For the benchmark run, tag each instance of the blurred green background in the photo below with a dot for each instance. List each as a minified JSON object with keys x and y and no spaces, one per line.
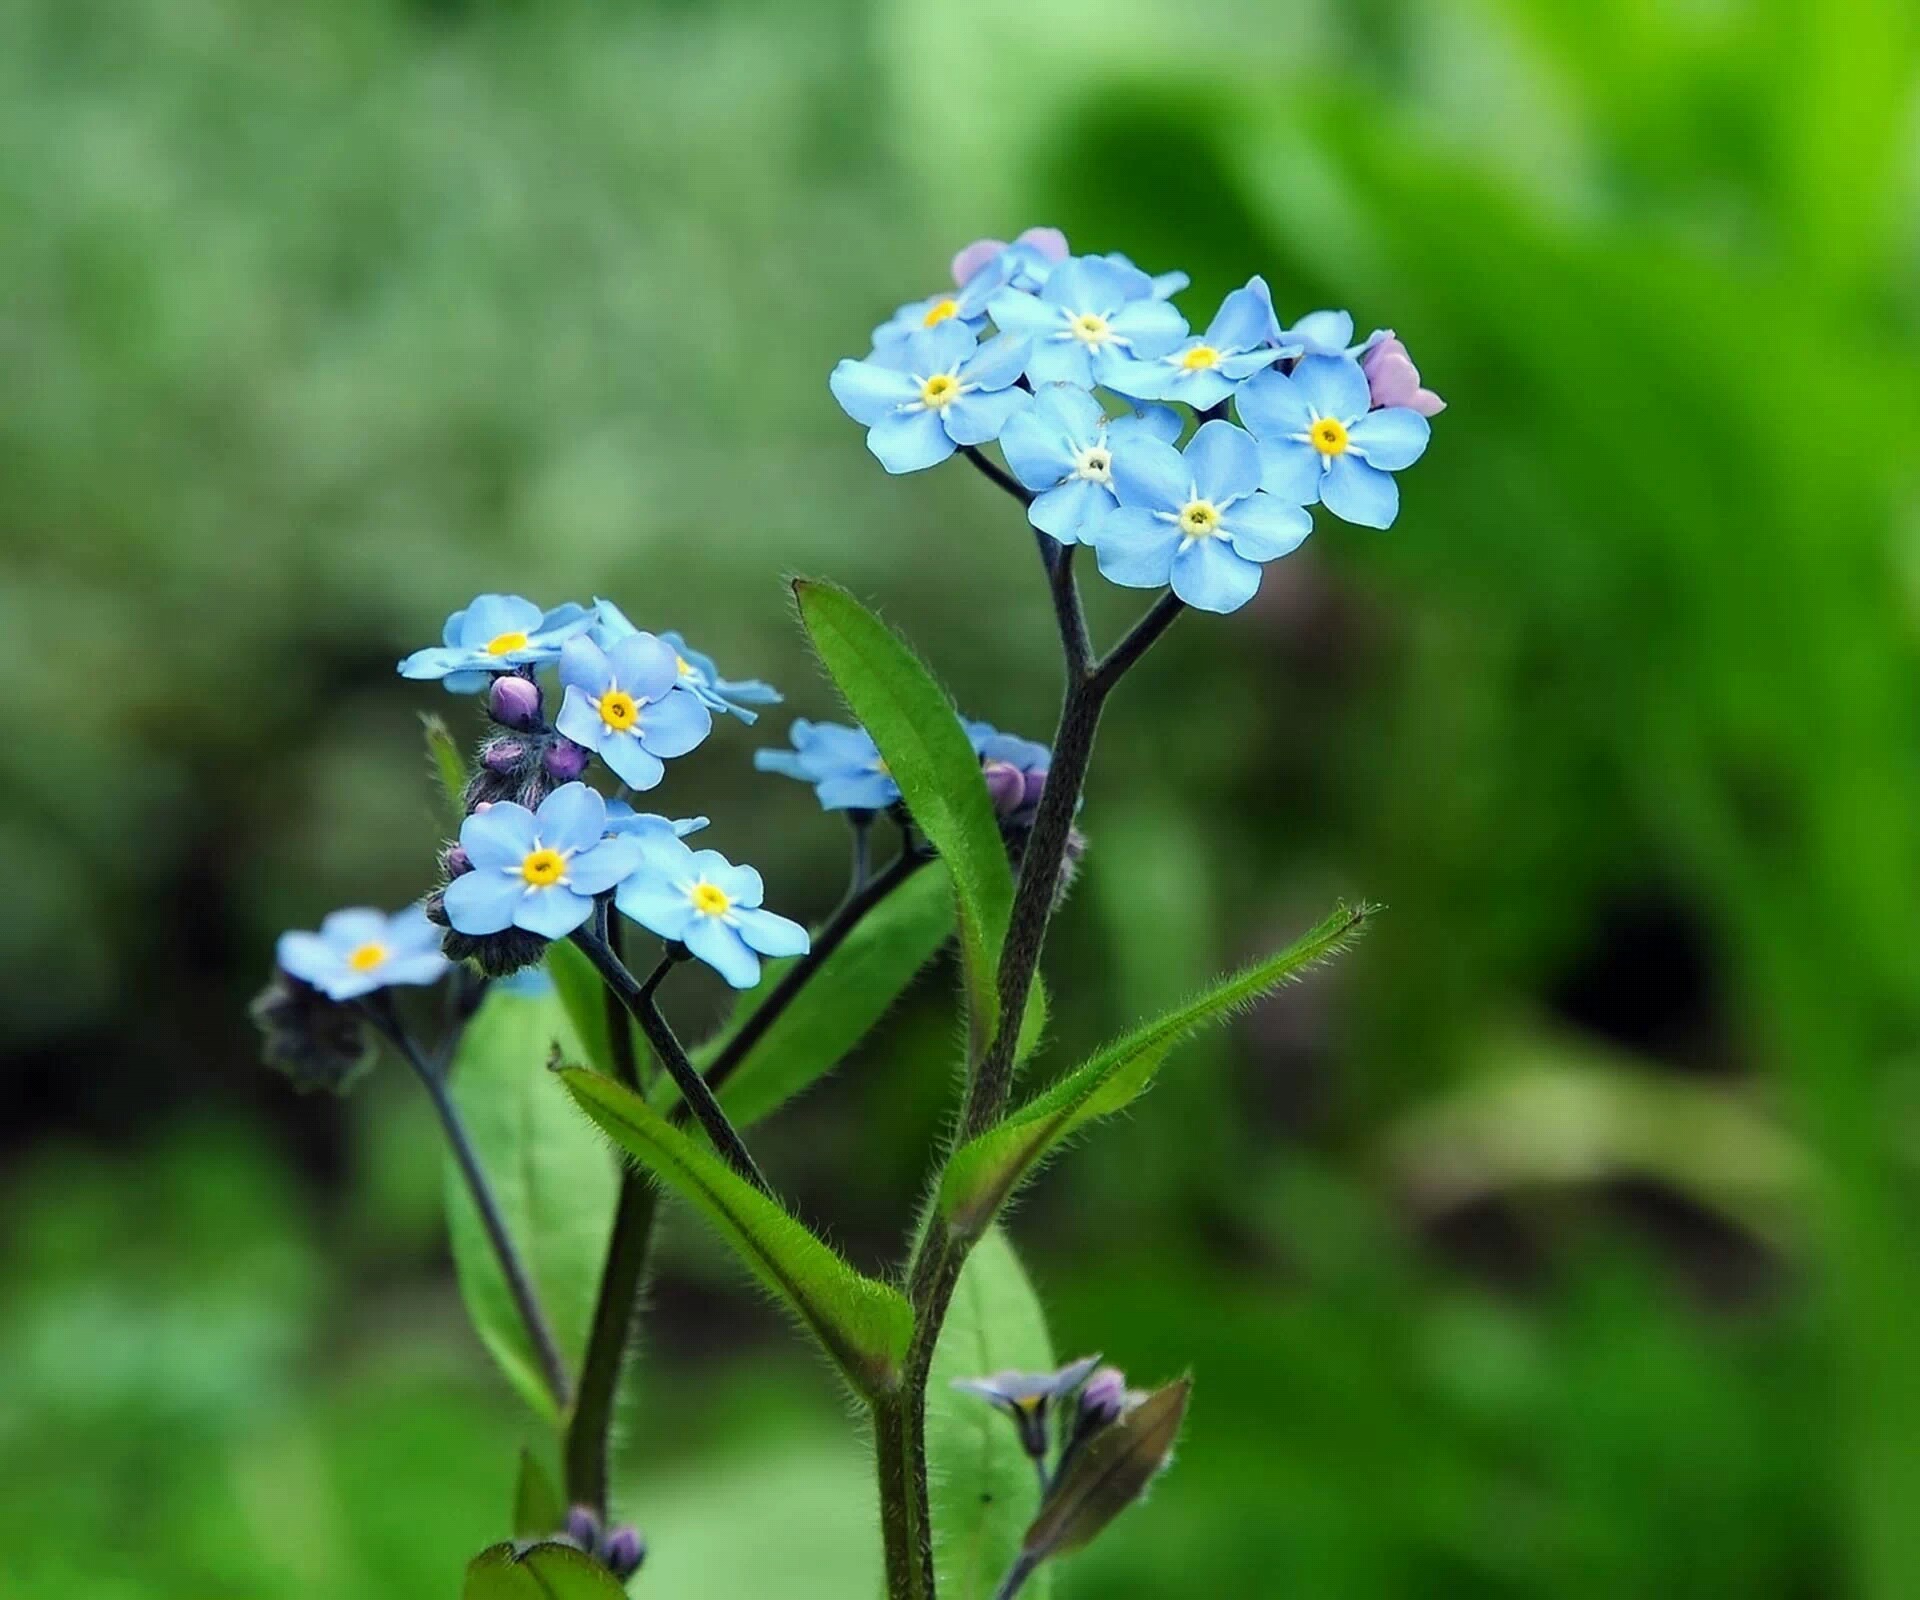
{"x":1560,"y":1242}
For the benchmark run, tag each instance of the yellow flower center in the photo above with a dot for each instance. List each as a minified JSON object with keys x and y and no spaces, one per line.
{"x":1091,"y":328}
{"x":1328,"y":436}
{"x":1200,"y":519}
{"x":367,"y":957}
{"x":543,"y":868}
{"x":1200,"y":357}
{"x":709,"y":900}
{"x":939,"y":311}
{"x":618,"y":710}
{"x":502,"y":644}
{"x":939,"y":391}
{"x":684,"y":665}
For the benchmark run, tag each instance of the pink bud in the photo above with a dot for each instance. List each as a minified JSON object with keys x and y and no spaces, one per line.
{"x":1007,"y":785}
{"x":565,"y":760}
{"x":1394,"y":380}
{"x":514,"y":701}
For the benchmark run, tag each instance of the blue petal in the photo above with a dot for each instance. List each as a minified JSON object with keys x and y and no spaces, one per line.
{"x":997,"y":362}
{"x":942,"y":348}
{"x":610,"y":624}
{"x":1324,"y":333}
{"x":1272,"y":408}
{"x":1243,"y":366}
{"x":450,"y":633}
{"x":345,"y":931}
{"x":412,"y":931}
{"x":872,"y":791}
{"x":563,"y":622}
{"x":500,"y":836}
{"x":1135,"y":548}
{"x":867,"y":391}
{"x":656,"y":904}
{"x":1359,"y":493}
{"x":1061,"y":361}
{"x":584,"y":665}
{"x":1291,"y":470}
{"x":1088,"y":283}
{"x":1202,"y":388}
{"x":1023,"y":315}
{"x":645,"y":666}
{"x":1150,"y":327}
{"x":630,"y":761}
{"x":307,"y":957}
{"x":1244,"y":318}
{"x":1137,"y":380}
{"x":466,"y":682}
{"x":1149,"y":473}
{"x":597,"y":870}
{"x":1262,"y":528}
{"x":573,"y":817}
{"x":1159,"y":422}
{"x":977,"y":418}
{"x":578,"y":720}
{"x":1224,"y":462}
{"x":491,"y":615}
{"x":1334,"y":386}
{"x":1391,"y":439}
{"x":1038,"y":442}
{"x":436,"y":661}
{"x":909,"y":441}
{"x":429,"y":967}
{"x":785,"y":762}
{"x":772,"y":934}
{"x":724,"y":950}
{"x":1210,"y":577}
{"x":676,"y":724}
{"x":552,"y":912}
{"x":1166,"y":285}
{"x":1067,"y":511}
{"x":740,"y":884}
{"x":483,"y":901}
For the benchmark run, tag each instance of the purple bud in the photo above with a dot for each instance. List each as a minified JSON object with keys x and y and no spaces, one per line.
{"x":1007,"y":784}
{"x":456,"y":861}
{"x":503,"y":755}
{"x":583,"y":1528}
{"x":1036,"y":781}
{"x":1393,"y":379}
{"x":624,"y":1552}
{"x":1103,"y":1398}
{"x":514,"y":701}
{"x":565,"y":760}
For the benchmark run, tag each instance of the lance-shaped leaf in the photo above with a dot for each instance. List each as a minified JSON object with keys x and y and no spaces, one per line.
{"x":983,"y":1173}
{"x":1112,"y":1471}
{"x":538,"y":1510}
{"x":929,"y":755}
{"x":544,"y":1572}
{"x":863,"y":1324}
{"x":449,"y":768}
{"x":584,"y":998}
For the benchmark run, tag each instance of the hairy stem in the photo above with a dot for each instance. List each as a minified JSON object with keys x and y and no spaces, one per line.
{"x":587,"y":1446}
{"x":904,"y":1533}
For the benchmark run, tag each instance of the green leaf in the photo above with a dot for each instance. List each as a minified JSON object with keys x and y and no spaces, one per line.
{"x":550,"y":1177}
{"x":449,"y":767}
{"x":983,"y":1486}
{"x":538,"y":1509}
{"x":927,"y":750}
{"x":584,"y":998}
{"x":1110,"y":1473}
{"x":863,"y":1324}
{"x":547,"y":1571}
{"x":984,"y":1173}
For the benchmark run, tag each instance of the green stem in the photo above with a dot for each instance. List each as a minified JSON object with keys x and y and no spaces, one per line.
{"x":903,"y":1503}
{"x":587,"y":1446}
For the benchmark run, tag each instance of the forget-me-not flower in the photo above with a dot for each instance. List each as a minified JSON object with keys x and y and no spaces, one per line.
{"x":1196,"y":519}
{"x":702,"y":900}
{"x":360,"y":950}
{"x":1319,"y":441}
{"x":537,"y":870}
{"x":934,"y":391}
{"x":1204,"y":371}
{"x":497,"y":633}
{"x":1030,"y":1397}
{"x":843,"y":764}
{"x":1088,"y":317}
{"x":698,"y":671}
{"x":1024,"y":263}
{"x":1062,"y":447}
{"x":630,"y":705}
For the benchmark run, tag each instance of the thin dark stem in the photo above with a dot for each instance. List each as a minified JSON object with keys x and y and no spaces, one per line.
{"x":903,"y":1503}
{"x":638,"y":1000}
{"x":862,"y":863}
{"x":1024,"y":1568}
{"x":997,"y":474}
{"x":1139,"y":639}
{"x":519,"y":1284}
{"x":590,"y":1428}
{"x":1072,"y":620}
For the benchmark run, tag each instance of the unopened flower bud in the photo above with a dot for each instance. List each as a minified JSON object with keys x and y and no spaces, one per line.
{"x":583,"y":1528}
{"x":1006,"y":784}
{"x":1103,"y":1398}
{"x":1393,"y":379}
{"x":624,"y":1552}
{"x":503,"y":755}
{"x":565,"y":760}
{"x":317,"y":1042}
{"x":514,"y":701}
{"x":455,"y":862}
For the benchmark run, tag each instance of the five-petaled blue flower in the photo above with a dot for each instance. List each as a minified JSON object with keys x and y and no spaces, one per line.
{"x":843,"y":764}
{"x":1196,"y":520}
{"x":497,"y":633}
{"x":630,"y":705}
{"x":1319,"y":441}
{"x":698,"y":671}
{"x":538,"y":870}
{"x":932,"y":392}
{"x":1204,"y":371}
{"x":700,"y":899}
{"x":966,"y":305}
{"x":1062,"y":447}
{"x":360,"y":950}
{"x":1088,"y":318}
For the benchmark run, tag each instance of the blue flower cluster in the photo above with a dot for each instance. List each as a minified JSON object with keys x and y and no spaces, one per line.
{"x":1074,"y":366}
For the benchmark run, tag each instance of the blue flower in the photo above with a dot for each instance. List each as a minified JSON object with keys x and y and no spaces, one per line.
{"x":700,"y":899}
{"x":1204,"y":371}
{"x":1196,"y":520}
{"x":698,"y":671}
{"x":966,"y":305}
{"x":622,"y":819}
{"x":1089,"y":316}
{"x":628,"y":704}
{"x":497,"y":633}
{"x":843,"y":764}
{"x":358,"y":951}
{"x":537,"y":870}
{"x":1062,"y":447}
{"x":932,"y":392}
{"x":1319,"y":441}
{"x":1025,"y":263}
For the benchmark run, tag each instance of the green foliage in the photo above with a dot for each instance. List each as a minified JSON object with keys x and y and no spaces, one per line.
{"x":926,"y":749}
{"x":550,"y":1175}
{"x":849,"y":992}
{"x":1111,"y":1472}
{"x":864,"y":1325}
{"x":584,"y":998}
{"x":984,"y":1488}
{"x":449,"y":768}
{"x":544,"y":1572}
{"x":984,"y":1173}
{"x":538,"y":1508}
